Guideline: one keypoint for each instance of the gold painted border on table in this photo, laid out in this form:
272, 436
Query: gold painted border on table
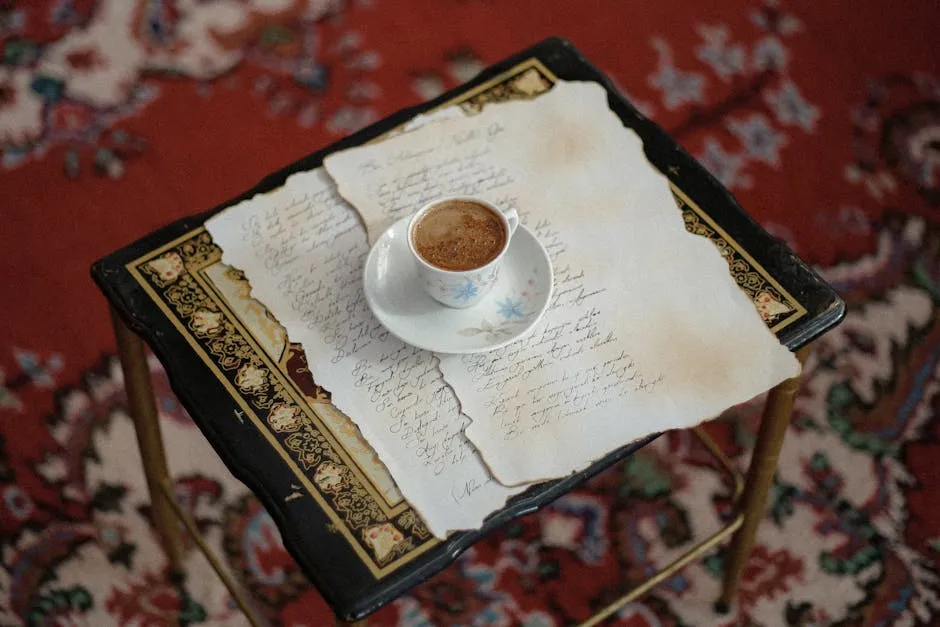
799, 309
390, 510
314, 406
534, 62
338, 523
479, 89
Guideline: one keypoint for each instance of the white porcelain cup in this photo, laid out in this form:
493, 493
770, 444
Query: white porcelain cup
461, 288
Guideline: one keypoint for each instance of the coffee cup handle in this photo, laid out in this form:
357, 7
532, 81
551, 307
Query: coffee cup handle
512, 217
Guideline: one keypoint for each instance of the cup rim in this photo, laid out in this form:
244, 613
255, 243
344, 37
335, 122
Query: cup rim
428, 205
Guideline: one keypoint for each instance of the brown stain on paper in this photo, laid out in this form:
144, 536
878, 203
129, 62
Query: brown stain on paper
705, 372
568, 144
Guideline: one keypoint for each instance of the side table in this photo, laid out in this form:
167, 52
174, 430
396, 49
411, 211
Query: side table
339, 512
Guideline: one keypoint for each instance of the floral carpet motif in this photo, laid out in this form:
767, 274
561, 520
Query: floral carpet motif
118, 116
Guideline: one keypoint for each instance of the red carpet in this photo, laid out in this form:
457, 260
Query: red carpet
117, 116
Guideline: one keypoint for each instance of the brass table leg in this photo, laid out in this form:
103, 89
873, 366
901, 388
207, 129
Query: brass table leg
760, 475
143, 408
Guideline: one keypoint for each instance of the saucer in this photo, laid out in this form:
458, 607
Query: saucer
516, 302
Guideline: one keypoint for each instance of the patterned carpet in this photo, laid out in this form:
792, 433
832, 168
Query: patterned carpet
117, 116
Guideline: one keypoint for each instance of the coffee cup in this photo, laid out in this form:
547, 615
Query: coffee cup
458, 243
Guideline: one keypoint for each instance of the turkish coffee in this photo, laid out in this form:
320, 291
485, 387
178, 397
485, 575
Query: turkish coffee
459, 235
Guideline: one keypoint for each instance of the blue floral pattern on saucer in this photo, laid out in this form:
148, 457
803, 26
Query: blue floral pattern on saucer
512, 311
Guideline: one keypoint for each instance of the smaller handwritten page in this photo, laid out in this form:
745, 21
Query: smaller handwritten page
647, 330
302, 248
445, 164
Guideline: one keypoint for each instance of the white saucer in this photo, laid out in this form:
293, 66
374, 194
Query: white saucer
517, 301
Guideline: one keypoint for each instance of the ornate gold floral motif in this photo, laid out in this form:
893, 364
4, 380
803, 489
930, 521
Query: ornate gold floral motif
233, 353
754, 283
307, 447
410, 521
230, 349
329, 476
382, 539
185, 296
200, 251
252, 378
527, 84
284, 419
402, 548
165, 269
769, 307
205, 322
356, 505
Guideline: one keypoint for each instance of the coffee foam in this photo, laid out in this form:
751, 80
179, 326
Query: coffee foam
459, 235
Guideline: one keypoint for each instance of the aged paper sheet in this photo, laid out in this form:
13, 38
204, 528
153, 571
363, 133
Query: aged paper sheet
647, 330
302, 248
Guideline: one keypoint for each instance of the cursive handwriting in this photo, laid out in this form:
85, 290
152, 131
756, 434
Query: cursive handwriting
567, 366
462, 490
311, 244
